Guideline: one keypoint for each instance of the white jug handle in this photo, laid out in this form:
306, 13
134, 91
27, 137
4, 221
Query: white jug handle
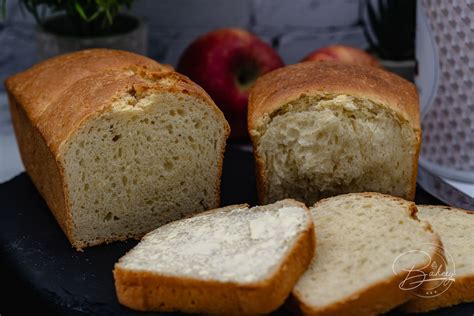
427, 61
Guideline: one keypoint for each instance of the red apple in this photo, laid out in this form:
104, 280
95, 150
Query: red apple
226, 62
343, 54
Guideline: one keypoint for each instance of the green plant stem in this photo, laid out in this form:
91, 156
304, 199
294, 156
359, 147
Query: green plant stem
90, 16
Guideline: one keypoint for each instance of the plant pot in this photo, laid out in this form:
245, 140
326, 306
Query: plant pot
403, 68
58, 36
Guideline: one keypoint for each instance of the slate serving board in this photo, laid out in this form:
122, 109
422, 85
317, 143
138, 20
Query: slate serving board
39, 266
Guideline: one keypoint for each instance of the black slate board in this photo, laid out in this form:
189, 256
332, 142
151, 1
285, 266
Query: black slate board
39, 265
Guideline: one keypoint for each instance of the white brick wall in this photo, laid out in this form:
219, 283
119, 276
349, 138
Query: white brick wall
193, 13
296, 45
306, 13
297, 27
294, 27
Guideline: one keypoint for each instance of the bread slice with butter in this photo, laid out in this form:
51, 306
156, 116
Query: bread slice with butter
232, 260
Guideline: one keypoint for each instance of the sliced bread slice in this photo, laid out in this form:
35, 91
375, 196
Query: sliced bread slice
232, 260
455, 227
358, 267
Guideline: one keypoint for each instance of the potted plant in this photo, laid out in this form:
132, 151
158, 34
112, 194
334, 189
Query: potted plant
69, 25
389, 27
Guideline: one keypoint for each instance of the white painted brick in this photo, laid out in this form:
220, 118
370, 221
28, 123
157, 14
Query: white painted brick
17, 43
299, 27
268, 34
294, 46
166, 46
306, 13
186, 13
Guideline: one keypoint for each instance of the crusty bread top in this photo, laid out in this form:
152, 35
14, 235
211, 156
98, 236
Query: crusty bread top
62, 92
39, 85
277, 88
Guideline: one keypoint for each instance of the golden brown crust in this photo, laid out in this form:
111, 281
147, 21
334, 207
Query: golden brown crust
53, 99
40, 164
274, 90
414, 167
461, 291
378, 298
375, 300
41, 84
147, 291
447, 208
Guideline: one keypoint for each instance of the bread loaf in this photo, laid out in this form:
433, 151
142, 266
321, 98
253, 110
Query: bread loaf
320, 129
367, 243
228, 261
116, 143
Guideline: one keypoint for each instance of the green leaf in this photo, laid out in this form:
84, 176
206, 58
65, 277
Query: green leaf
95, 15
91, 17
81, 12
3, 9
109, 17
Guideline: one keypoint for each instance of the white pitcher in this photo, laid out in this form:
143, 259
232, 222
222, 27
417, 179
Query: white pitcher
445, 80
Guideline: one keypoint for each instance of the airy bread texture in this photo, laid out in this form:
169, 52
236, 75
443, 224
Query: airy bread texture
360, 236
233, 260
320, 129
116, 143
455, 227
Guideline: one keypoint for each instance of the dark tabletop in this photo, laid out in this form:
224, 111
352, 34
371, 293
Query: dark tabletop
39, 265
